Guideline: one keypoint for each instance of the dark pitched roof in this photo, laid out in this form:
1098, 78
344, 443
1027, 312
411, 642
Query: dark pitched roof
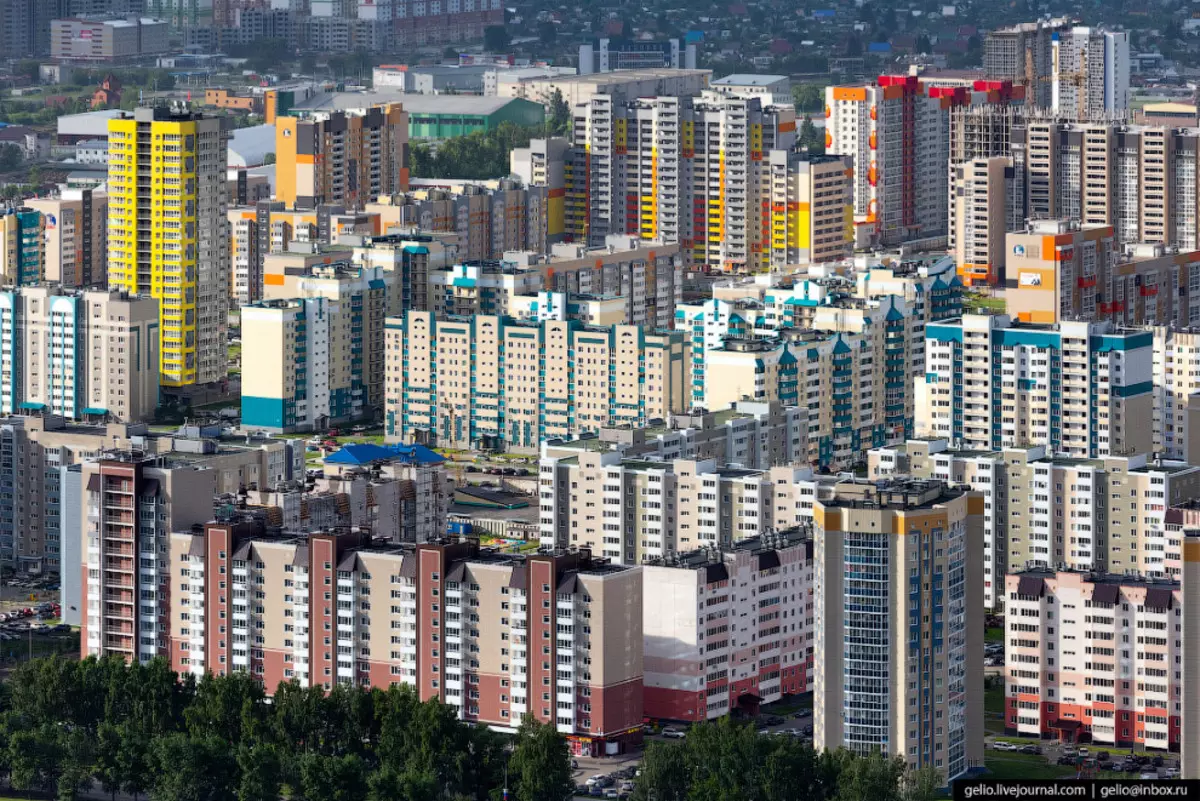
196, 547
568, 584
1106, 594
715, 572
242, 553
1031, 585
408, 566
519, 579
1159, 598
768, 560
301, 557
457, 572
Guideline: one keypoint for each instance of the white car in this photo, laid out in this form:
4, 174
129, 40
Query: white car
673, 734
1000, 745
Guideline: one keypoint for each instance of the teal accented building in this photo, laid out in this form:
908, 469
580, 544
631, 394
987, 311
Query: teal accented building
23, 255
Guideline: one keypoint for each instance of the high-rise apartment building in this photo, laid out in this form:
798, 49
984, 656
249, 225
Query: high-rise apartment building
132, 505
981, 216
607, 55
1024, 54
1041, 509
76, 234
897, 135
1059, 270
852, 366
557, 636
1094, 657
700, 172
88, 355
811, 210
631, 510
344, 157
500, 383
1089, 72
705, 609
22, 247
34, 449
898, 599
489, 221
1176, 421
1082, 389
1139, 179
318, 352
166, 233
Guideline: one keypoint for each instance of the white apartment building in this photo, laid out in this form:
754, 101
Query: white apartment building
1094, 657
727, 630
898, 138
991, 383
1040, 509
83, 355
1089, 72
630, 510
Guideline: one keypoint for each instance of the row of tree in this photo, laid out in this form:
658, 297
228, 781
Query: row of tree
725, 760
482, 155
68, 725
143, 729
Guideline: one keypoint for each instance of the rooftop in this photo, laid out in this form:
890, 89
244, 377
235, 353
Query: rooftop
625, 76
473, 105
748, 79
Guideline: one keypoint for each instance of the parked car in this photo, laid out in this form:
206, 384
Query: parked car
1157, 761
1066, 760
673, 734
1031, 749
1169, 773
1000, 745
774, 720
1103, 756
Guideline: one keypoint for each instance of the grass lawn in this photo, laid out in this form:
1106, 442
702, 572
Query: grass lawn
975, 302
993, 634
993, 709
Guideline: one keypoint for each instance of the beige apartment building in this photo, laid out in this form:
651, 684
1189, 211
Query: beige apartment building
489, 381
1176, 384
749, 434
1138, 179
1109, 514
1059, 271
728, 630
131, 504
980, 217
83, 355
812, 208
1083, 389
631, 510
344, 157
457, 622
898, 602
76, 234
1095, 657
623, 84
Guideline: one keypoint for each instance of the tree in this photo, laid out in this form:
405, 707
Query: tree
810, 138
666, 774
558, 121
808, 97
923, 784
333, 778
547, 33
495, 39
871, 778
269, 158
541, 763
193, 768
260, 769
308, 64
923, 44
10, 158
